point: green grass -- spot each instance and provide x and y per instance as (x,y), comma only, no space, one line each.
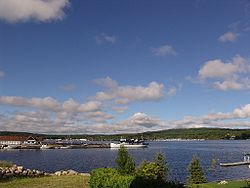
(49,181)
(6,164)
(231,184)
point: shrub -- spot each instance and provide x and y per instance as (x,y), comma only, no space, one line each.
(196,173)
(125,162)
(109,177)
(6,164)
(148,170)
(156,170)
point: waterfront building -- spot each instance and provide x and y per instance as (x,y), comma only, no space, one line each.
(18,140)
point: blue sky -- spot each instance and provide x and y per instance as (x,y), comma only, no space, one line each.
(89,66)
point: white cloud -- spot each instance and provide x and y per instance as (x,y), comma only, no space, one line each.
(96,122)
(228,85)
(126,94)
(228,37)
(50,104)
(38,10)
(230,75)
(164,50)
(218,69)
(2,73)
(104,38)
(243,112)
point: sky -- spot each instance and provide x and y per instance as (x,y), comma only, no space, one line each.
(113,66)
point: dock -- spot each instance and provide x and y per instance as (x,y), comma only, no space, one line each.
(246,161)
(235,164)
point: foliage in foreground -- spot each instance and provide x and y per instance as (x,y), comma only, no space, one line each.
(196,173)
(147,174)
(125,162)
(109,177)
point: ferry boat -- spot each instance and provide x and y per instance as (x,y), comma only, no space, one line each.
(129,144)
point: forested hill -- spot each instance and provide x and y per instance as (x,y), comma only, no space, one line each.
(192,133)
(200,133)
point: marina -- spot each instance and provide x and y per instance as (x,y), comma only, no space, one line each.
(32,142)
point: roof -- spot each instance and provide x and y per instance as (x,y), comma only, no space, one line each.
(19,138)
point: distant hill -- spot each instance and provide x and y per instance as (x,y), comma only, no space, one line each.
(190,133)
(9,133)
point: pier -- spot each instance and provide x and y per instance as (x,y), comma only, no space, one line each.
(246,161)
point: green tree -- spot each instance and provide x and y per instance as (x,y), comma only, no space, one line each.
(125,162)
(161,162)
(196,173)
(213,166)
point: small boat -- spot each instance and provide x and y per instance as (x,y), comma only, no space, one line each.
(129,144)
(46,146)
(65,147)
(12,147)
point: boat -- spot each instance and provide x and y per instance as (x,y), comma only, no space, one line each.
(12,147)
(129,144)
(66,147)
(46,146)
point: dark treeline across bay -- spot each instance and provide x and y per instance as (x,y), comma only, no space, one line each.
(191,133)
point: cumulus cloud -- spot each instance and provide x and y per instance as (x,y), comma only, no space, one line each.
(38,10)
(126,94)
(50,104)
(104,38)
(229,75)
(234,119)
(96,122)
(228,37)
(164,51)
(2,73)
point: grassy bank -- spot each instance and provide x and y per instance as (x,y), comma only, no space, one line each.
(76,181)
(231,184)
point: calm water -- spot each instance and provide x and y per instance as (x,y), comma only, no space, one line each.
(178,155)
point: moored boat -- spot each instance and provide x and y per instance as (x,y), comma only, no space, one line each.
(66,147)
(12,147)
(46,146)
(129,144)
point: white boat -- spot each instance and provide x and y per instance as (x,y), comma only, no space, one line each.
(12,147)
(46,146)
(129,144)
(65,147)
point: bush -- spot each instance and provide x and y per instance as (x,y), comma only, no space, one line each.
(125,162)
(6,164)
(109,177)
(148,170)
(196,173)
(156,170)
